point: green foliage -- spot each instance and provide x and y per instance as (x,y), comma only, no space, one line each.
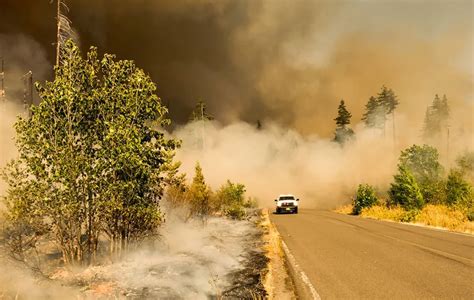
(405,191)
(365,197)
(91,159)
(458,190)
(343,132)
(465,164)
(436,117)
(470,214)
(235,211)
(230,200)
(200,195)
(422,162)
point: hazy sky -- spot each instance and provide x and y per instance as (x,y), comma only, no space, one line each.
(284,61)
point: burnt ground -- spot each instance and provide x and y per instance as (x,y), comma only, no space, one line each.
(224,259)
(247,283)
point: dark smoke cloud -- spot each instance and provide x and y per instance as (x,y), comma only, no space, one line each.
(284,61)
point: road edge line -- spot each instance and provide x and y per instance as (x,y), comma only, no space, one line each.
(304,288)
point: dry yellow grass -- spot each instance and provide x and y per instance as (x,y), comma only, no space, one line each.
(277,280)
(445,217)
(440,216)
(380,212)
(345,209)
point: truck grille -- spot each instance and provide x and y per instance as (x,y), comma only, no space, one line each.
(288,204)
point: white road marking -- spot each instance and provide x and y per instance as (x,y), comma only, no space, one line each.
(298,270)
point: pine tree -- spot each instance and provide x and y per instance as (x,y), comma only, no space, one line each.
(200,194)
(387,100)
(200,112)
(444,109)
(343,132)
(373,116)
(436,117)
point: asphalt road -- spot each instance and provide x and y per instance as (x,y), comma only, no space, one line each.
(347,257)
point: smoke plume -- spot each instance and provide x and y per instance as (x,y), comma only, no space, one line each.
(287,62)
(276,160)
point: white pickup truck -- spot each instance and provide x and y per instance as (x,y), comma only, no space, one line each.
(286,203)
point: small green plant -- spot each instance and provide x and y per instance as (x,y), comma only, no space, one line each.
(365,197)
(235,211)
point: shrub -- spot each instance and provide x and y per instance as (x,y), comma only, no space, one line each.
(365,197)
(470,214)
(235,211)
(465,164)
(230,200)
(405,191)
(458,191)
(251,203)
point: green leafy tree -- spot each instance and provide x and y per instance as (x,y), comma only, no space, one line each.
(436,117)
(91,158)
(458,190)
(200,195)
(422,162)
(404,191)
(365,197)
(343,131)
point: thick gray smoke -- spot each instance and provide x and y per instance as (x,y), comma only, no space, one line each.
(20,54)
(275,160)
(287,62)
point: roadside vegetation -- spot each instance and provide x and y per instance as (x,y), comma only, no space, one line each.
(94,165)
(200,201)
(422,190)
(422,193)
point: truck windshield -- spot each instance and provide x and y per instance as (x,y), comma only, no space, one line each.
(287,198)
